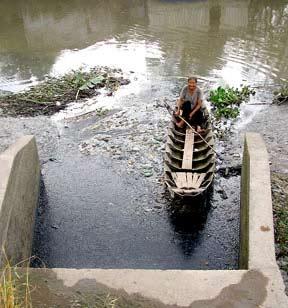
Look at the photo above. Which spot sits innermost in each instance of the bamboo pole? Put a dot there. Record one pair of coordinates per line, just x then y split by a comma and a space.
169, 108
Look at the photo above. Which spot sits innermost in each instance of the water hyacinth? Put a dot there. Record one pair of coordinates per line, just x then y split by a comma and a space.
226, 101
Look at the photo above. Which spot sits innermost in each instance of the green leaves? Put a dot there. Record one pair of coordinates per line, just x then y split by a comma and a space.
87, 84
91, 83
226, 101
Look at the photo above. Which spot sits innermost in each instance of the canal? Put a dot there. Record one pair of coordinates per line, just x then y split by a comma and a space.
103, 203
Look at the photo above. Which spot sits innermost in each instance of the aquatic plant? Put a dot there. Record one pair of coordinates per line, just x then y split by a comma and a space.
226, 101
281, 95
90, 84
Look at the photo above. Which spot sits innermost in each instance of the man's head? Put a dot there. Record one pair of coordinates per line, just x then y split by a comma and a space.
192, 83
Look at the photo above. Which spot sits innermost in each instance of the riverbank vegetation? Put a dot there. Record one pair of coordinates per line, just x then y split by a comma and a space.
226, 101
15, 290
281, 95
54, 93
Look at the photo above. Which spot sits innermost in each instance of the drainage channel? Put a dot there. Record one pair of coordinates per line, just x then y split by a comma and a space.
95, 214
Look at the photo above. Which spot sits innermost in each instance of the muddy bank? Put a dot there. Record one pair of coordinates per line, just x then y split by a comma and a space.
271, 123
280, 211
41, 127
127, 145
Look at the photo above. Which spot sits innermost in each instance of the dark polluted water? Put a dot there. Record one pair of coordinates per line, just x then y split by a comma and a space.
104, 233
103, 202
95, 212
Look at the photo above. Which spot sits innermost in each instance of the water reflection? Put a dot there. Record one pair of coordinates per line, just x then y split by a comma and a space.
269, 23
40, 25
188, 218
131, 56
33, 33
218, 41
222, 39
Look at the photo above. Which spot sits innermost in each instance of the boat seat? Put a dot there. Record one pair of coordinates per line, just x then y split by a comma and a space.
188, 179
188, 149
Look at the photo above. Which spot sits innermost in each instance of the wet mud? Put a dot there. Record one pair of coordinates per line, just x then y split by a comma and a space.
280, 204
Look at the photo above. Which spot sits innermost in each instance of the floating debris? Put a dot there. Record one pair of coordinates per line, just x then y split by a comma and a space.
54, 93
131, 140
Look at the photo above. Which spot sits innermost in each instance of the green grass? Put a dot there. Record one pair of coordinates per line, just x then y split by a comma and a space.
14, 293
99, 301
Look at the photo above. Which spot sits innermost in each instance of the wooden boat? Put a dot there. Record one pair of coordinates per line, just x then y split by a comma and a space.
189, 162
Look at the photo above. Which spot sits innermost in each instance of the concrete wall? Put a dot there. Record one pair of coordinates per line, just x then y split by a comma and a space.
19, 190
244, 210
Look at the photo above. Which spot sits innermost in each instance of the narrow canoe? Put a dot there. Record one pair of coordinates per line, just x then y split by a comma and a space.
189, 161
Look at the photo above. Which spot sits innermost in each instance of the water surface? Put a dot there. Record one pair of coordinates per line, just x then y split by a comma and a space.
232, 41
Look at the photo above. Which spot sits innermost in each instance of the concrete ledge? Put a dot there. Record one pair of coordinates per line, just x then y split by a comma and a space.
19, 190
157, 288
257, 237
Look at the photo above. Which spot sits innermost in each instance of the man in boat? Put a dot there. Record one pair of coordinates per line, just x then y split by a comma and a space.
189, 104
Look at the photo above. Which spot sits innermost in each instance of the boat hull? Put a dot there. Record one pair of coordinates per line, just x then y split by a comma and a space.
189, 161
